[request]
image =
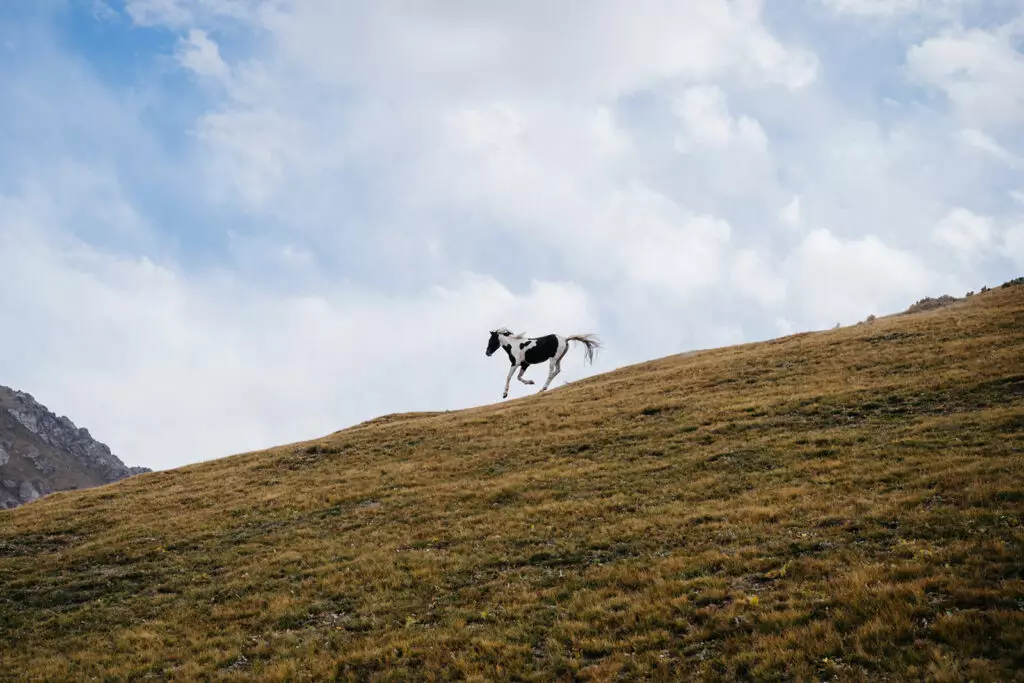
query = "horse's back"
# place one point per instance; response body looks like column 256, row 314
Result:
column 544, row 348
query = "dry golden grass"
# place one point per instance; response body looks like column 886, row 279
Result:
column 840, row 505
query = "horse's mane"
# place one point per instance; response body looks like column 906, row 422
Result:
column 511, row 334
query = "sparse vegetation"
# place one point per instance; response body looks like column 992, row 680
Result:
column 931, row 303
column 842, row 505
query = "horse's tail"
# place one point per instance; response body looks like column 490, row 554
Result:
column 590, row 341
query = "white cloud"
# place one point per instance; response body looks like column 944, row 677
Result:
column 422, row 71
column 837, row 280
column 892, row 8
column 200, row 54
column 88, row 197
column 155, row 12
column 705, row 115
column 103, row 11
column 872, row 8
column 603, row 49
column 184, row 13
column 250, row 153
column 655, row 243
column 1013, row 244
column 783, row 327
column 979, row 71
column 753, row 278
column 976, row 139
column 791, row 215
column 608, row 138
column 296, row 255
column 964, row 232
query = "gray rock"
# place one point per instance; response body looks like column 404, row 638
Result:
column 26, row 418
column 62, row 433
column 27, row 492
column 56, row 438
column 43, row 465
column 8, row 499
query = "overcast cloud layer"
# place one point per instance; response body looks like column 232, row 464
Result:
column 228, row 224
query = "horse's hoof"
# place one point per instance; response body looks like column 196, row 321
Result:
column 504, row 395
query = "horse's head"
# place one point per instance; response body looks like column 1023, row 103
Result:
column 493, row 343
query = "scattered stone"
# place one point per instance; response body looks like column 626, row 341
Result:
column 239, row 664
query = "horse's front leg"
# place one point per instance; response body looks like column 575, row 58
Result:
column 522, row 369
column 507, row 380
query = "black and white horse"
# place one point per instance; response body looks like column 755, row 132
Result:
column 526, row 351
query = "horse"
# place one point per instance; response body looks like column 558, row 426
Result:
column 526, row 351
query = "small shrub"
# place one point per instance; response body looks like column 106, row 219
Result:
column 931, row 303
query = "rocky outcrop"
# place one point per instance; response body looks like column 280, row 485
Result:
column 41, row 453
column 13, row 492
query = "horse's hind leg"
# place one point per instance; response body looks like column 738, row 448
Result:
column 556, row 367
column 553, row 370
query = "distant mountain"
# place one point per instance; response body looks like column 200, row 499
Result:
column 41, row 453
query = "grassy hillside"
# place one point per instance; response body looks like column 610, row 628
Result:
column 841, row 505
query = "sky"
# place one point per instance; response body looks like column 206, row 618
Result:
column 231, row 224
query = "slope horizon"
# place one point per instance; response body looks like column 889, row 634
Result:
column 529, row 391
